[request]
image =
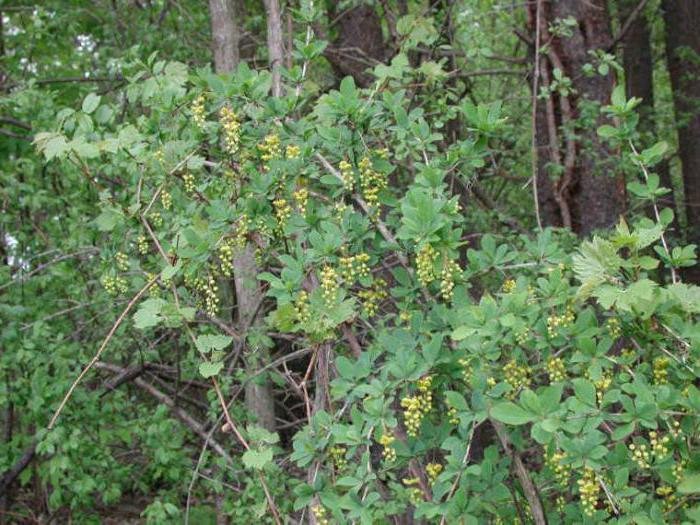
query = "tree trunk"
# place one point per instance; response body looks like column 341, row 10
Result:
column 682, row 19
column 258, row 394
column 275, row 47
column 225, row 35
column 575, row 188
column 639, row 82
column 359, row 46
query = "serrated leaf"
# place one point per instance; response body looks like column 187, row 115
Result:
column 257, row 459
column 209, row 369
column 207, row 343
column 148, row 314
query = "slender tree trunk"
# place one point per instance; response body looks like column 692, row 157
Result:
column 683, row 55
column 258, row 394
column 575, row 186
column 225, row 35
column 639, row 82
column 275, row 46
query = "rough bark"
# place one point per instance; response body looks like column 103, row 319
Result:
column 682, row 19
column 639, row 81
column 225, row 35
column 587, row 196
column 275, row 46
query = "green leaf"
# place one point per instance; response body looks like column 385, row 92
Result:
column 584, row 391
column 209, row 369
column 148, row 314
column 257, row 459
column 207, row 343
column 690, row 484
column 90, row 103
column 511, row 414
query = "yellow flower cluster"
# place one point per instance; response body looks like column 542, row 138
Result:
column 232, row 129
column 517, row 376
column 301, row 198
column 555, row 322
column 353, row 267
column 562, row 471
column 320, row 514
column 347, row 175
column 337, row 454
column 292, row 152
column 433, row 470
column 450, row 271
column 452, row 416
column 415, row 407
column 614, row 328
column 188, row 182
column 159, row 156
column 589, row 490
column 166, row 199
column 415, row 494
column 156, row 219
column 670, row 499
column 225, row 253
column 241, row 236
column 389, row 453
column 679, row 471
column 661, row 370
column 640, row 454
column 154, row 291
column 114, row 285
column 282, row 212
column 372, row 297
column 301, row 307
column 211, row 297
column 467, row 369
column 142, row 244
column 425, row 261
column 674, row 429
column 382, row 153
column 602, row 385
column 522, row 336
column 371, row 182
column 122, row 261
column 198, row 111
column 508, row 285
column 270, row 148
column 556, row 369
column 659, row 444
column 329, row 285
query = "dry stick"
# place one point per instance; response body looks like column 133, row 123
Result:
column 96, row 357
column 534, row 159
column 531, row 494
column 305, row 65
column 232, row 426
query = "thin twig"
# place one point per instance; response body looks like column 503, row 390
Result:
column 96, row 357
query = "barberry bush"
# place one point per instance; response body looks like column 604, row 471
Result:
column 498, row 379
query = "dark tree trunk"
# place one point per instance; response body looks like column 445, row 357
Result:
column 682, row 19
column 639, row 82
column 359, row 46
column 575, row 186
